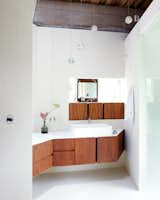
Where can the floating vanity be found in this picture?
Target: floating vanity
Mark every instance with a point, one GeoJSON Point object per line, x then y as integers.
{"type": "Point", "coordinates": [80, 144]}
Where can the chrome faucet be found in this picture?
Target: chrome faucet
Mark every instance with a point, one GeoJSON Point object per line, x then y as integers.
{"type": "Point", "coordinates": [89, 120]}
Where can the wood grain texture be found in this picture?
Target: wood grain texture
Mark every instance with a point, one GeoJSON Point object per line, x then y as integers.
{"type": "Point", "coordinates": [85, 150]}
{"type": "Point", "coordinates": [109, 149]}
{"type": "Point", "coordinates": [121, 143]}
{"type": "Point", "coordinates": [42, 150]}
{"type": "Point", "coordinates": [138, 4]}
{"type": "Point", "coordinates": [80, 16]}
{"type": "Point", "coordinates": [63, 158]}
{"type": "Point", "coordinates": [63, 152]}
{"type": "Point", "coordinates": [42, 165]}
{"type": "Point", "coordinates": [95, 111]}
{"type": "Point", "coordinates": [46, 163]}
{"type": "Point", "coordinates": [78, 111]}
{"type": "Point", "coordinates": [35, 168]}
{"type": "Point", "coordinates": [64, 145]}
{"type": "Point", "coordinates": [113, 110]}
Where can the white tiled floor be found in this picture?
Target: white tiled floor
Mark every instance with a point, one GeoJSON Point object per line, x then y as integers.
{"type": "Point", "coordinates": [103, 184]}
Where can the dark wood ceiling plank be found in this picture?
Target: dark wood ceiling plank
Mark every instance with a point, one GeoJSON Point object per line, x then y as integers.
{"type": "Point", "coordinates": [77, 15]}
{"type": "Point", "coordinates": [123, 3]}
{"type": "Point", "coordinates": [95, 1]}
{"type": "Point", "coordinates": [137, 3]}
{"type": "Point", "coordinates": [141, 4]}
{"type": "Point", "coordinates": [145, 4]}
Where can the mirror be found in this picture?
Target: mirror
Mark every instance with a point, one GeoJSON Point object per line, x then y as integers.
{"type": "Point", "coordinates": [87, 90]}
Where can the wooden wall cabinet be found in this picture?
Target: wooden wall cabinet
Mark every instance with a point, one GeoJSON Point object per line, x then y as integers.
{"type": "Point", "coordinates": [109, 149]}
{"type": "Point", "coordinates": [113, 110]}
{"type": "Point", "coordinates": [78, 111]}
{"type": "Point", "coordinates": [85, 150]}
{"type": "Point", "coordinates": [95, 111]}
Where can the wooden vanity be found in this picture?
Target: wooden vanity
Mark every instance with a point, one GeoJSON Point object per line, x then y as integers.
{"type": "Point", "coordinates": [75, 151]}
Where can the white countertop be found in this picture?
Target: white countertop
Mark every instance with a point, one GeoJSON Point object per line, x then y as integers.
{"type": "Point", "coordinates": [38, 137]}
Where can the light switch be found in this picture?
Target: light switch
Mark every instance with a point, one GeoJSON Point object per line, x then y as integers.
{"type": "Point", "coordinates": [9, 119]}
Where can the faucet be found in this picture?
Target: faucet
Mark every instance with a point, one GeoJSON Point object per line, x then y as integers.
{"type": "Point", "coordinates": [89, 120]}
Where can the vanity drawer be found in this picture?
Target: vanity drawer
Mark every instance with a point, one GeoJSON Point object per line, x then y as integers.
{"type": "Point", "coordinates": [63, 158]}
{"type": "Point", "coordinates": [64, 145]}
{"type": "Point", "coordinates": [35, 170]}
{"type": "Point", "coordinates": [46, 163]}
{"type": "Point", "coordinates": [42, 165]}
{"type": "Point", "coordinates": [42, 150]}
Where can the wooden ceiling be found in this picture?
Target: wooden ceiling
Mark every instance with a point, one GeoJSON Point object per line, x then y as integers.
{"type": "Point", "coordinates": [139, 4]}
{"type": "Point", "coordinates": [78, 14]}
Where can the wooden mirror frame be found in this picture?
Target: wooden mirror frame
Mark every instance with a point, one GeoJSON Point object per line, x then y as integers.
{"type": "Point", "coordinates": [87, 81]}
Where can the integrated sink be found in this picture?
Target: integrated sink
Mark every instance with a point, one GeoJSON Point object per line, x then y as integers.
{"type": "Point", "coordinates": [92, 129]}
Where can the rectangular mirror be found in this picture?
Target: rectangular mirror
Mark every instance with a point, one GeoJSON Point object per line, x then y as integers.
{"type": "Point", "coordinates": [87, 90]}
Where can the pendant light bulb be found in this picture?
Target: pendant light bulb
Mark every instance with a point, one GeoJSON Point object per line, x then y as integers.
{"type": "Point", "coordinates": [128, 19]}
{"type": "Point", "coordinates": [94, 28]}
{"type": "Point", "coordinates": [71, 60]}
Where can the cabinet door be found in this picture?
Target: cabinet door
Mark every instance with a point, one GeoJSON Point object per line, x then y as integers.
{"type": "Point", "coordinates": [42, 150]}
{"type": "Point", "coordinates": [96, 111]}
{"type": "Point", "coordinates": [107, 149]}
{"type": "Point", "coordinates": [63, 145]}
{"type": "Point", "coordinates": [113, 110]}
{"type": "Point", "coordinates": [42, 165]}
{"type": "Point", "coordinates": [35, 168]}
{"type": "Point", "coordinates": [46, 163]}
{"type": "Point", "coordinates": [63, 158]}
{"type": "Point", "coordinates": [85, 150]}
{"type": "Point", "coordinates": [78, 111]}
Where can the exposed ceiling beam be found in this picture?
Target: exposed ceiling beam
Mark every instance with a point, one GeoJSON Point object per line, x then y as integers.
{"type": "Point", "coordinates": [82, 16]}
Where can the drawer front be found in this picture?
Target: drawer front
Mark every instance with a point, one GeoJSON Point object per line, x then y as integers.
{"type": "Point", "coordinates": [35, 170]}
{"type": "Point", "coordinates": [42, 165]}
{"type": "Point", "coordinates": [64, 145]}
{"type": "Point", "coordinates": [64, 158]}
{"type": "Point", "coordinates": [46, 163]}
{"type": "Point", "coordinates": [42, 150]}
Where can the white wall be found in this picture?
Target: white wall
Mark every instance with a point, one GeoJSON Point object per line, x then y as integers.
{"type": "Point", "coordinates": [135, 133]}
{"type": "Point", "coordinates": [103, 56]}
{"type": "Point", "coordinates": [133, 65]}
{"type": "Point", "coordinates": [15, 99]}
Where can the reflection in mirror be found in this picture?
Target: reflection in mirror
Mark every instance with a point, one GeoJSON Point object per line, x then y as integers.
{"type": "Point", "coordinates": [108, 90]}
{"type": "Point", "coordinates": [87, 90]}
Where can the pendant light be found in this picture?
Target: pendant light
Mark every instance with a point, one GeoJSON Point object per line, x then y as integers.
{"type": "Point", "coordinates": [128, 18]}
{"type": "Point", "coordinates": [94, 27]}
{"type": "Point", "coordinates": [136, 16]}
{"type": "Point", "coordinates": [71, 59]}
{"type": "Point", "coordinates": [80, 44]}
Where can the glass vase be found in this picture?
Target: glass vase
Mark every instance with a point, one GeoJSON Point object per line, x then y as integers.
{"type": "Point", "coordinates": [44, 128]}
